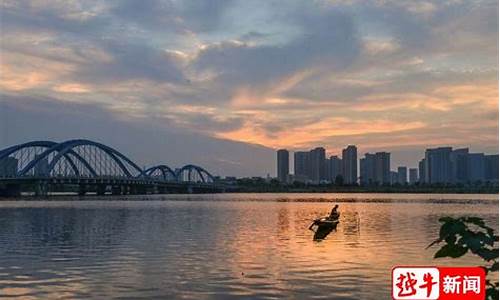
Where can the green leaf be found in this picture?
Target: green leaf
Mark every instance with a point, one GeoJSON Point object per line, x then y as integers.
{"type": "Point", "coordinates": [486, 238]}
{"type": "Point", "coordinates": [476, 221]}
{"type": "Point", "coordinates": [492, 293]}
{"type": "Point", "coordinates": [474, 240]}
{"type": "Point", "coordinates": [451, 228]}
{"type": "Point", "coordinates": [446, 219]}
{"type": "Point", "coordinates": [493, 267]}
{"type": "Point", "coordinates": [488, 254]}
{"type": "Point", "coordinates": [452, 251]}
{"type": "Point", "coordinates": [451, 239]}
{"type": "Point", "coordinates": [474, 244]}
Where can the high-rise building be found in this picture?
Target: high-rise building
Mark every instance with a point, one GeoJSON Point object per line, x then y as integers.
{"type": "Point", "coordinates": [283, 167]}
{"type": "Point", "coordinates": [459, 165]}
{"type": "Point", "coordinates": [375, 168]}
{"type": "Point", "coordinates": [350, 164]}
{"type": "Point", "coordinates": [477, 170]}
{"type": "Point", "coordinates": [413, 175]}
{"type": "Point", "coordinates": [382, 167]}
{"type": "Point", "coordinates": [491, 164]}
{"type": "Point", "coordinates": [363, 171]}
{"type": "Point", "coordinates": [317, 161]}
{"type": "Point", "coordinates": [402, 175]}
{"type": "Point", "coordinates": [445, 165]}
{"type": "Point", "coordinates": [335, 167]}
{"type": "Point", "coordinates": [438, 165]}
{"type": "Point", "coordinates": [394, 177]}
{"type": "Point", "coordinates": [313, 166]}
{"type": "Point", "coordinates": [421, 171]}
{"type": "Point", "coordinates": [367, 169]}
{"type": "Point", "coordinates": [8, 167]}
{"type": "Point", "coordinates": [301, 166]}
{"type": "Point", "coordinates": [327, 170]}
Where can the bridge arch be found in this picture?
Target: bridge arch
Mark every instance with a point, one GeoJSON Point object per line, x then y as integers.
{"type": "Point", "coordinates": [27, 152]}
{"type": "Point", "coordinates": [193, 173]}
{"type": "Point", "coordinates": [98, 159]}
{"type": "Point", "coordinates": [161, 171]}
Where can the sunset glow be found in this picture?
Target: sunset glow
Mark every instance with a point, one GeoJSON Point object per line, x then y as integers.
{"type": "Point", "coordinates": [421, 73]}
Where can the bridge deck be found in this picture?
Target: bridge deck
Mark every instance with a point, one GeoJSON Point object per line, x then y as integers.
{"type": "Point", "coordinates": [101, 185]}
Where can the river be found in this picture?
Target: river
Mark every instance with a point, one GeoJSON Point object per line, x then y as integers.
{"type": "Point", "coordinates": [225, 246]}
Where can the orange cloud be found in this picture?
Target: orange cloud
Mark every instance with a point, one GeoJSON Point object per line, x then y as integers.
{"type": "Point", "coordinates": [445, 98]}
{"type": "Point", "coordinates": [71, 88]}
{"type": "Point", "coordinates": [23, 72]}
{"type": "Point", "coordinates": [410, 101]}
{"type": "Point", "coordinates": [486, 93]}
{"type": "Point", "coordinates": [18, 82]}
{"type": "Point", "coordinates": [312, 133]}
{"type": "Point", "coordinates": [244, 97]}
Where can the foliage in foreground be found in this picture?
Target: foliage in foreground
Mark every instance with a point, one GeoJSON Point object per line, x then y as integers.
{"type": "Point", "coordinates": [470, 234]}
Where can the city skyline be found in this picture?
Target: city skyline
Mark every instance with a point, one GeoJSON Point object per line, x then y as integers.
{"type": "Point", "coordinates": [439, 165]}
{"type": "Point", "coordinates": [393, 164]}
{"type": "Point", "coordinates": [226, 83]}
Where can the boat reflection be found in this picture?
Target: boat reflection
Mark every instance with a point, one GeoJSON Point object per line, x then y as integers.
{"type": "Point", "coordinates": [323, 229]}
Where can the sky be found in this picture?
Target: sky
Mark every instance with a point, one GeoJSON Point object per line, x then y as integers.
{"type": "Point", "coordinates": [224, 83]}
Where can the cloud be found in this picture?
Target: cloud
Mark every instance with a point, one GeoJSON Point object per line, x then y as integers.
{"type": "Point", "coordinates": [196, 16]}
{"type": "Point", "coordinates": [328, 39]}
{"type": "Point", "coordinates": [146, 141]}
{"type": "Point", "coordinates": [64, 17]}
{"type": "Point", "coordinates": [316, 132]}
{"type": "Point", "coordinates": [131, 61]}
{"type": "Point", "coordinates": [386, 74]}
{"type": "Point", "coordinates": [71, 88]}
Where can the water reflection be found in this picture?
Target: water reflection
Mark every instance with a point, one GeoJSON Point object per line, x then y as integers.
{"type": "Point", "coordinates": [213, 250]}
{"type": "Point", "coordinates": [323, 231]}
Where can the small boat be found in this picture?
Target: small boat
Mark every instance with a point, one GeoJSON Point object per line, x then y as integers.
{"type": "Point", "coordinates": [323, 227]}
{"type": "Point", "coordinates": [326, 222]}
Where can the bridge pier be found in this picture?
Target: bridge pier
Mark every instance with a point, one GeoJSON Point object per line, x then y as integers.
{"type": "Point", "coordinates": [82, 190]}
{"type": "Point", "coordinates": [137, 190]}
{"type": "Point", "coordinates": [101, 189]}
{"type": "Point", "coordinates": [132, 190]}
{"type": "Point", "coordinates": [117, 190]}
{"type": "Point", "coordinates": [10, 190]}
{"type": "Point", "coordinates": [161, 190]}
{"type": "Point", "coordinates": [41, 188]}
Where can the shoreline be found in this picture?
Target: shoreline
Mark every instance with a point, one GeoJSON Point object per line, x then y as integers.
{"type": "Point", "coordinates": [367, 190]}
{"type": "Point", "coordinates": [274, 196]}
{"type": "Point", "coordinates": [318, 191]}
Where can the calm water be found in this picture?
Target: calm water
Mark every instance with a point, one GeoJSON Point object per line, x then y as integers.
{"type": "Point", "coordinates": [220, 246]}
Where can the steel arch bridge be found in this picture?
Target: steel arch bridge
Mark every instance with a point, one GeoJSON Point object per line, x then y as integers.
{"type": "Point", "coordinates": [91, 163]}
{"type": "Point", "coordinates": [192, 173]}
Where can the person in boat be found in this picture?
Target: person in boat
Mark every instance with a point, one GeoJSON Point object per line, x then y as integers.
{"type": "Point", "coordinates": [334, 214]}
